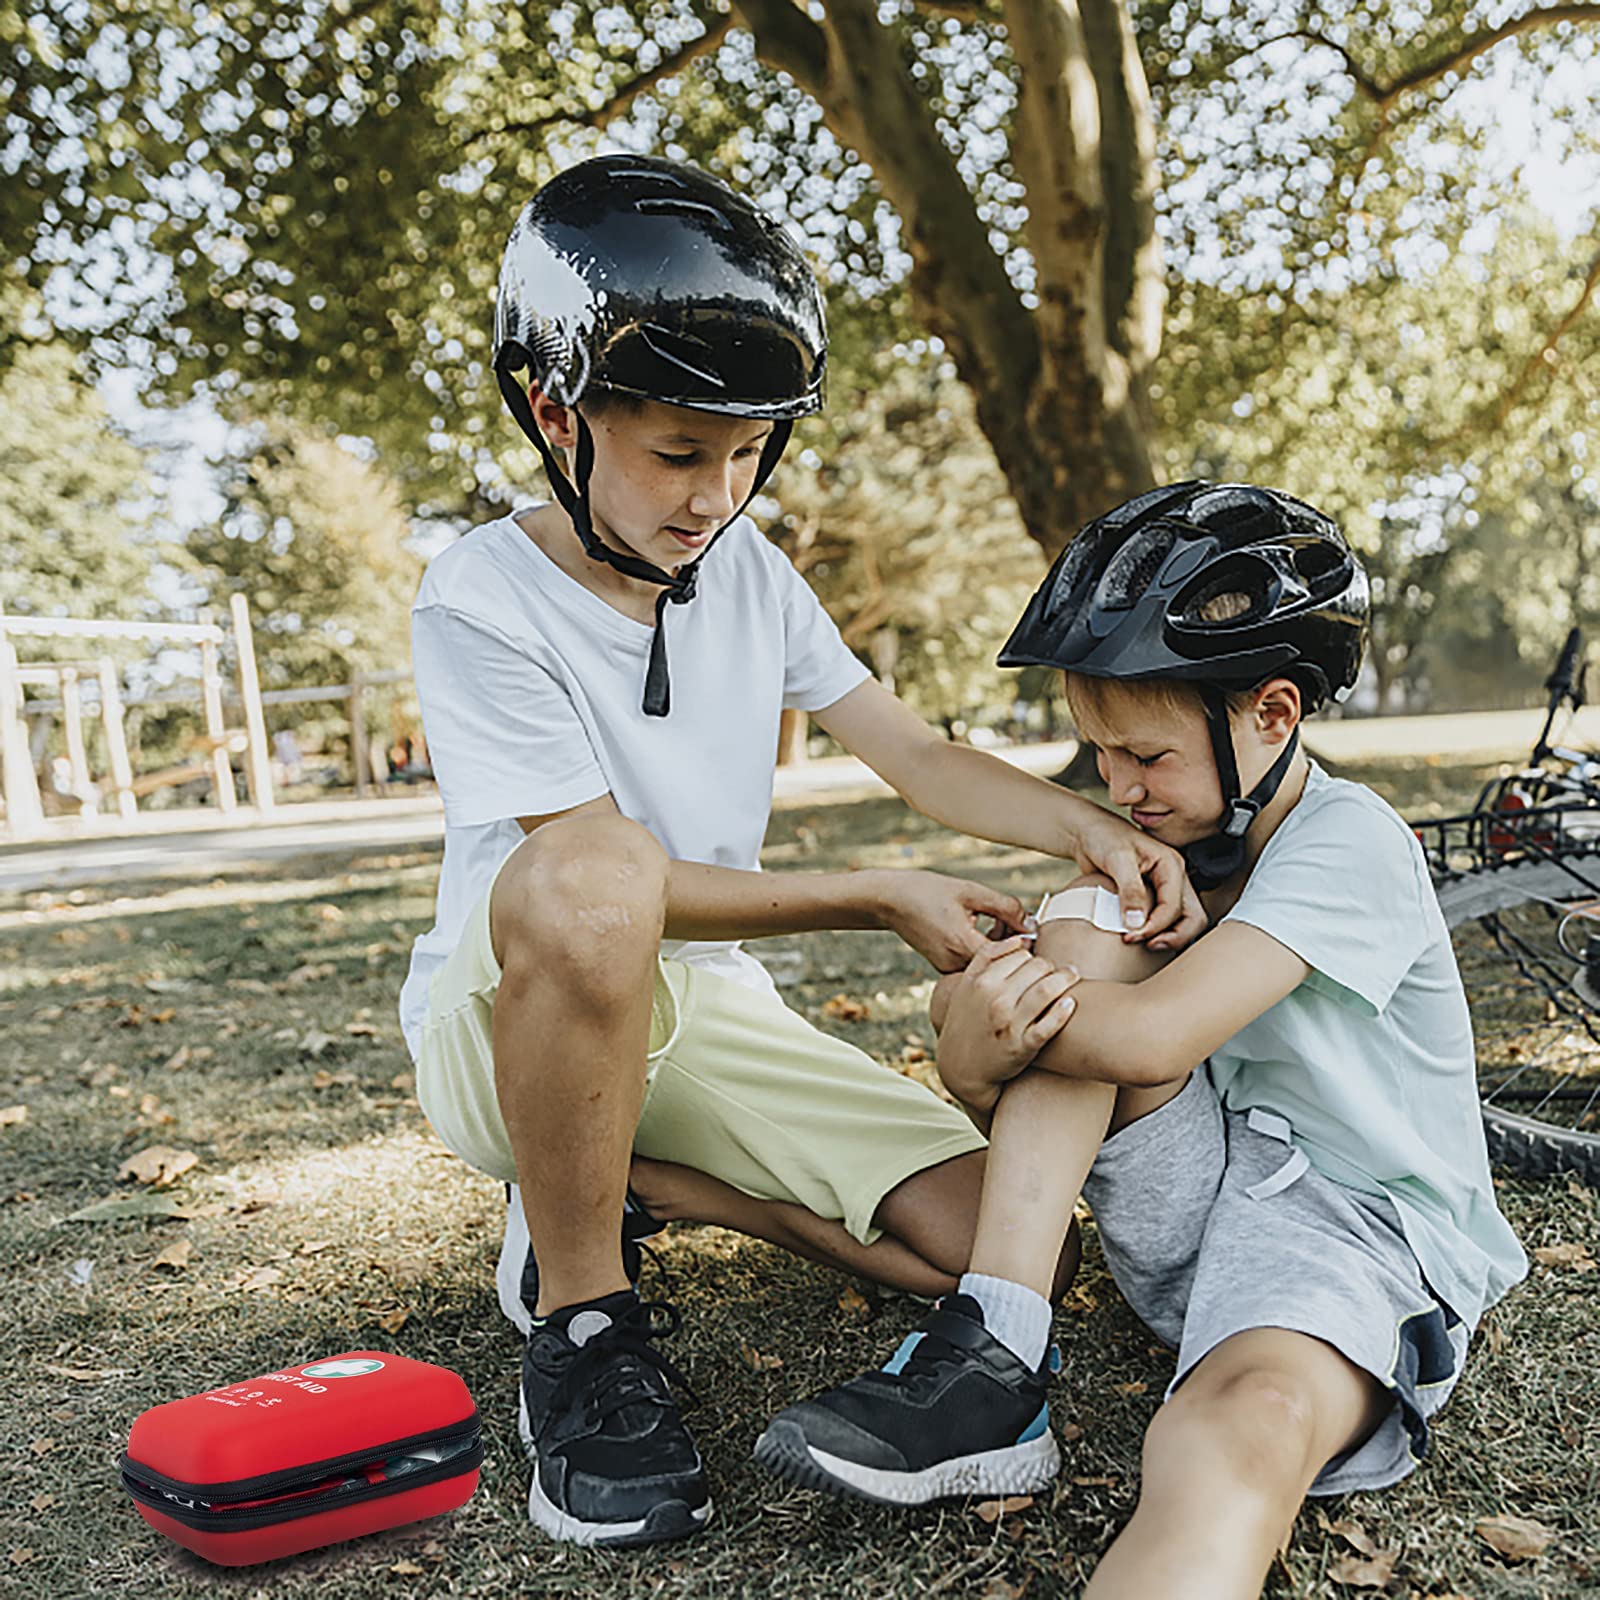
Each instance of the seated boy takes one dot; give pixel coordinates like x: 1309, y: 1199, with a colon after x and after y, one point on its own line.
x: 1293, y: 1188
x: 582, y: 1013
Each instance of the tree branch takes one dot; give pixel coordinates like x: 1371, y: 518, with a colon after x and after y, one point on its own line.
x: 619, y: 100
x: 1486, y: 39
x: 1384, y: 95
x: 786, y: 38
x: 1546, y: 356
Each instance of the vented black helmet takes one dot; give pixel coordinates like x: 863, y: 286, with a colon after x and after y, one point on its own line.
x: 1222, y: 585
x: 1140, y: 593
x: 649, y: 278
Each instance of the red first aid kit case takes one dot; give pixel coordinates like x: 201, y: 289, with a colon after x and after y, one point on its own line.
x: 305, y: 1457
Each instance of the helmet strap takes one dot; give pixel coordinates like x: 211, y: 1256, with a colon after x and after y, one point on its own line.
x: 1212, y: 861
x: 678, y: 588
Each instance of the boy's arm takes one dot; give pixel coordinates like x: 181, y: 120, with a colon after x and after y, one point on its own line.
x: 936, y: 915
x: 1153, y: 1032
x: 979, y: 794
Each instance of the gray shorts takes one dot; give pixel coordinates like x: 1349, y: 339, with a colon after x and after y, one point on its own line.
x: 1213, y: 1224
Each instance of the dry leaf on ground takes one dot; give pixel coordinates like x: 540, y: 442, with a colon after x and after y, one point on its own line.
x: 1576, y: 1256
x: 854, y: 1304
x: 176, y: 1255
x: 1516, y: 1538
x: 993, y: 1510
x: 406, y: 1569
x: 13, y: 1116
x: 844, y: 1009
x: 1363, y: 1572
x: 160, y: 1165
x: 88, y: 1374
x: 249, y: 1279
x: 756, y: 1361
x: 1130, y: 1388
x: 1352, y: 1533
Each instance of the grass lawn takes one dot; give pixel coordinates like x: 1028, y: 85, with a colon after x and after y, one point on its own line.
x: 250, y: 1024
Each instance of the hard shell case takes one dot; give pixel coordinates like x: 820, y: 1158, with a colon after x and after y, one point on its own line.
x: 306, y: 1456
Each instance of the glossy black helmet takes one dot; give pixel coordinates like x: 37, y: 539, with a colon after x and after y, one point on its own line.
x: 649, y: 277
x: 1220, y: 584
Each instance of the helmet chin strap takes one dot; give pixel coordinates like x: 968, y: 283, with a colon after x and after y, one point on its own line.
x: 677, y: 588
x: 1212, y: 861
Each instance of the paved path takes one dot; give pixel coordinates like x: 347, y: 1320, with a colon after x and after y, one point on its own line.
x: 201, y: 844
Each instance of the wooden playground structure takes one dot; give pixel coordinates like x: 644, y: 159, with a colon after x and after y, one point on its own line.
x: 19, y: 787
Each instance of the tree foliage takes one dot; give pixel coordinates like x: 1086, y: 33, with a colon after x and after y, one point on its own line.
x: 1354, y: 307
x: 315, y: 538
x: 73, y: 497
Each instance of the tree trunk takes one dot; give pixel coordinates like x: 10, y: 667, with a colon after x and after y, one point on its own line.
x: 1060, y: 386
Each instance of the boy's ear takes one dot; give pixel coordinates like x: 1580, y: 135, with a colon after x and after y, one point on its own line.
x: 555, y: 422
x: 1277, y: 709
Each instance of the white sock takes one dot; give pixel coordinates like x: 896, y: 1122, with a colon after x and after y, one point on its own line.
x: 1013, y: 1313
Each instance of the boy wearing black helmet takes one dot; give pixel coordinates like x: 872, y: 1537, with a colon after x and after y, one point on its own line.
x: 582, y: 1010
x: 1293, y: 1188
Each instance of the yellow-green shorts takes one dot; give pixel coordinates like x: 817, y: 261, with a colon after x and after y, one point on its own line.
x: 739, y: 1086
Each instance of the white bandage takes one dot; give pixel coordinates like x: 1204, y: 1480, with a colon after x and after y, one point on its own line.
x: 1084, y: 904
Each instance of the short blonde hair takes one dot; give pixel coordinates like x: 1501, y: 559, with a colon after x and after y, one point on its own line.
x: 1088, y: 698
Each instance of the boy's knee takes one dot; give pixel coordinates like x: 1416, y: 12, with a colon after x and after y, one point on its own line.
x: 580, y: 886
x: 1076, y: 941
x: 1255, y: 1426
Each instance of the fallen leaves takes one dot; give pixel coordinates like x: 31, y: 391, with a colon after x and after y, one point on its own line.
x: 756, y: 1361
x: 158, y: 1165
x: 854, y: 1304
x: 1516, y: 1538
x: 842, y: 1008
x: 1369, y: 1567
x: 148, y: 1204
x: 13, y: 1116
x: 250, y: 1280
x: 1577, y: 1257
x: 991, y: 1511
x: 176, y: 1255
x: 88, y: 1374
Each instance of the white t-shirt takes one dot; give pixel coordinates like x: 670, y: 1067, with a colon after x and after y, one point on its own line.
x: 1370, y: 1059
x: 532, y: 692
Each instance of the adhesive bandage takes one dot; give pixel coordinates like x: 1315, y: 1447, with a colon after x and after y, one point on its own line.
x: 1085, y: 903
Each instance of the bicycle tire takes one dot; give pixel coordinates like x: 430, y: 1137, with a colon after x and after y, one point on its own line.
x: 1521, y: 1145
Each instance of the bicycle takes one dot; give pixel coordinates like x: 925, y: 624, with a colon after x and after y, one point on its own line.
x: 1518, y: 880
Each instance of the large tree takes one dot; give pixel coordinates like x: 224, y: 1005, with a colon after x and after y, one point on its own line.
x: 327, y: 183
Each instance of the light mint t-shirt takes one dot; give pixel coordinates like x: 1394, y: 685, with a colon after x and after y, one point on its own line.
x: 1371, y: 1058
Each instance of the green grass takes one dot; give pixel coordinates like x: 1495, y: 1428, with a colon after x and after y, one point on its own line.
x: 252, y: 1023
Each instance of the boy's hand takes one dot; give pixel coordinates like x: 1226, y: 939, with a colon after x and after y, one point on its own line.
x: 1129, y: 857
x: 1001, y: 1012
x: 939, y: 916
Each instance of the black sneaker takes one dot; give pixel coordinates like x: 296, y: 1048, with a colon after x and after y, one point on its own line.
x: 517, y: 1273
x: 613, y: 1463
x: 953, y: 1413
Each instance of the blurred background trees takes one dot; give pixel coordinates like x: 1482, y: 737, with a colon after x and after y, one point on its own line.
x: 1068, y: 249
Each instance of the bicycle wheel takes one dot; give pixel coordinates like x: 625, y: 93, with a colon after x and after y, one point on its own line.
x: 1521, y: 931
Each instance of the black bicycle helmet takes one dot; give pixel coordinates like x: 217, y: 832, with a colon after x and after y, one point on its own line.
x: 1221, y: 585
x: 651, y: 279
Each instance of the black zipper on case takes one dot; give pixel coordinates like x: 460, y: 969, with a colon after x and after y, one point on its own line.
x: 286, y: 1478
x: 179, y: 1504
